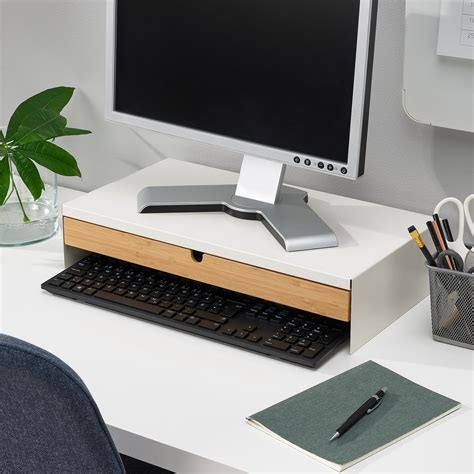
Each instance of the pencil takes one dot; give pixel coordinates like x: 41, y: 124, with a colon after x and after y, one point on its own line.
x: 441, y: 241
x: 436, y: 242
x: 415, y: 235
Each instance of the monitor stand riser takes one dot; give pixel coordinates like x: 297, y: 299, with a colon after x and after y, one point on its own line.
x: 259, y: 195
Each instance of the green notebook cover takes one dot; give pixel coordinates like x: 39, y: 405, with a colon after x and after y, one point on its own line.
x: 307, y: 420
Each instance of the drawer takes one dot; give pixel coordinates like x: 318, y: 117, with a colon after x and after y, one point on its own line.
x: 259, y: 282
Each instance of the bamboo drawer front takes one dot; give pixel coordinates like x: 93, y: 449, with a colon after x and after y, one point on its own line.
x: 259, y: 282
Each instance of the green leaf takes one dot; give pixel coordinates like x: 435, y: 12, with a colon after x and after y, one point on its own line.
x: 74, y: 131
x: 4, y: 179
x: 38, y: 118
x: 3, y: 150
x: 28, y: 173
x: 52, y: 157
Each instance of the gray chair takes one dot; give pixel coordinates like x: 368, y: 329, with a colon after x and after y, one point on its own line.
x: 49, y: 421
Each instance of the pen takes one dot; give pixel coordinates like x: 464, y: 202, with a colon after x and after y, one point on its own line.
x: 415, y: 235
x: 442, y: 241
x: 447, y: 230
x: 369, y: 406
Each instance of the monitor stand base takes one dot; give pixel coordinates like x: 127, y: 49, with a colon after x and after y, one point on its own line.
x: 290, y: 220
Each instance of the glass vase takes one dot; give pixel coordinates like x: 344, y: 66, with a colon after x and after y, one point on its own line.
x: 23, y: 220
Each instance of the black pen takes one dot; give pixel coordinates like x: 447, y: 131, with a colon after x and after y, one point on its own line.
x: 368, y: 407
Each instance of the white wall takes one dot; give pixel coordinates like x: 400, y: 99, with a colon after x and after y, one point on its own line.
x: 62, y: 42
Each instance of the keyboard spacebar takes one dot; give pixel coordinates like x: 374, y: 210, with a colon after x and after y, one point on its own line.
x: 103, y: 295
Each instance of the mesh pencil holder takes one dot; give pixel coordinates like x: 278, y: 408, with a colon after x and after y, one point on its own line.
x: 452, y: 306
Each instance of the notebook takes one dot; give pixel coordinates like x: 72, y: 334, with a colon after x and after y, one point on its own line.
x: 307, y: 420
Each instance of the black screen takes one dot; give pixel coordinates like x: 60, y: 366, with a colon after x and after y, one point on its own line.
x: 274, y: 72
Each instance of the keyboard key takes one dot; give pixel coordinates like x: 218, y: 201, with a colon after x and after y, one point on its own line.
x: 210, y: 316
x: 278, y: 336
x: 64, y: 276
x: 328, y: 337
x: 153, y: 301
x: 67, y: 285
x: 78, y: 288
x: 165, y: 304
x: 191, y: 319
x: 180, y: 316
x: 167, y: 313
x: 177, y: 307
x: 280, y: 345
x: 241, y: 334
x: 304, y: 343
x: 76, y: 271
x: 77, y: 279
x: 313, y: 351
x: 250, y: 327
x: 141, y: 297
x: 230, y: 309
x: 296, y: 350
x: 228, y: 332
x: 131, y: 294
x: 96, y: 285
x: 291, y: 339
x: 55, y: 282
x: 120, y: 291
x: 89, y: 291
x: 109, y: 288
x: 254, y: 338
x: 189, y: 311
x: 209, y: 325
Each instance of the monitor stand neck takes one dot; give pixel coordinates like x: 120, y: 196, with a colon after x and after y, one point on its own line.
x: 259, y: 195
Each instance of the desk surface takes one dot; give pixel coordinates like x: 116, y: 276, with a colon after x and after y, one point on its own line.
x: 181, y: 401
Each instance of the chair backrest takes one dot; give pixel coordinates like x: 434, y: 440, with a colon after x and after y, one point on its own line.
x: 49, y: 421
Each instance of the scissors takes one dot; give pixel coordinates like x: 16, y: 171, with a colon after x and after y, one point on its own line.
x: 465, y: 218
x: 461, y: 265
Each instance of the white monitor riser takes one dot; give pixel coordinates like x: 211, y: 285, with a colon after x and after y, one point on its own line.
x: 376, y: 264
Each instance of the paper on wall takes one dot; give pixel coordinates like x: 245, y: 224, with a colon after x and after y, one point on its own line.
x: 456, y: 29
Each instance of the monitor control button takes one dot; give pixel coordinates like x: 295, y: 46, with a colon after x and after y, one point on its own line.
x: 296, y: 159
x: 344, y: 170
x: 330, y: 167
x: 320, y: 165
x: 307, y: 162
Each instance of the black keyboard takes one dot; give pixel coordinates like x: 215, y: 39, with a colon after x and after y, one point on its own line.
x: 226, y: 316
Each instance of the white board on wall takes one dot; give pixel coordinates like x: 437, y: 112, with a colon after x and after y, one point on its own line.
x: 437, y: 90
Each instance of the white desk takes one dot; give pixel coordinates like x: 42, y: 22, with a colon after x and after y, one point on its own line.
x: 179, y: 401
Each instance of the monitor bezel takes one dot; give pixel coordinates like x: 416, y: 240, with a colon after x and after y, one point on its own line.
x: 359, y: 113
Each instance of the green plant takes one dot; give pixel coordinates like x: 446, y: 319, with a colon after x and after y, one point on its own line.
x: 28, y: 140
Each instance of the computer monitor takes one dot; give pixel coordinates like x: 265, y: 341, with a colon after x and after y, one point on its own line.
x: 284, y: 82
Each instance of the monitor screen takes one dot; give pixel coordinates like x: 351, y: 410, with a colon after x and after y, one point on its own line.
x: 278, y: 73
